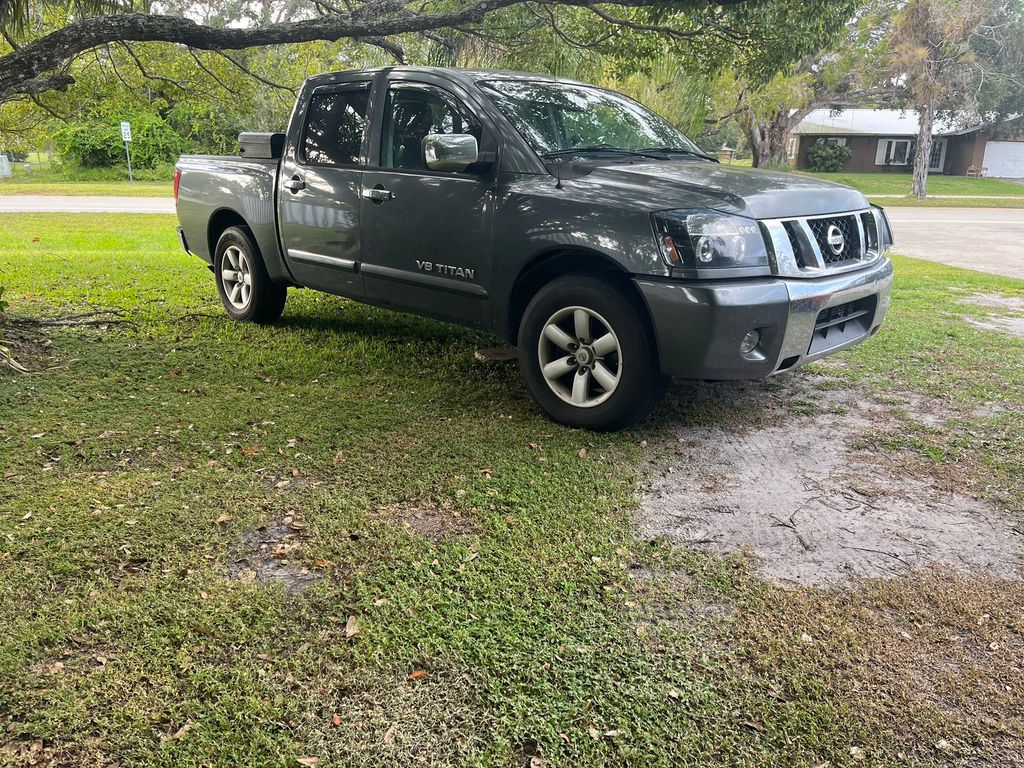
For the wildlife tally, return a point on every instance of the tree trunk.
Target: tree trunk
(923, 153)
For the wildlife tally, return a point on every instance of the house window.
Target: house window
(836, 141)
(894, 151)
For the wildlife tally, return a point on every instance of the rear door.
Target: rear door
(426, 234)
(320, 184)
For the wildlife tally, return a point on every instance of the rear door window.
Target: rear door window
(335, 127)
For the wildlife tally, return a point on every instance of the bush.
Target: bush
(97, 143)
(828, 157)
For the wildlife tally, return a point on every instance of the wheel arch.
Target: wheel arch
(222, 219)
(556, 262)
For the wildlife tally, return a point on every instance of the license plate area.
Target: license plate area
(842, 324)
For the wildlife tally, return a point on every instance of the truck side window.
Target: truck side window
(411, 112)
(335, 126)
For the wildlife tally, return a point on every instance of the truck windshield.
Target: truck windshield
(565, 119)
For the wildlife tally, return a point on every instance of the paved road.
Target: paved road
(84, 204)
(986, 239)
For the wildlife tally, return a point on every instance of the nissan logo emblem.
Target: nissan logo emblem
(836, 240)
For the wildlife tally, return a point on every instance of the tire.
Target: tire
(621, 382)
(257, 300)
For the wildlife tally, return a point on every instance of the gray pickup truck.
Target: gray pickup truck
(566, 218)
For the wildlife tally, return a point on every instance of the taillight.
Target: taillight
(177, 182)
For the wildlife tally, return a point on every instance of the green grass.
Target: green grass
(47, 179)
(119, 625)
(900, 184)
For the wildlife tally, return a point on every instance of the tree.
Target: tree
(846, 69)
(952, 57)
(39, 63)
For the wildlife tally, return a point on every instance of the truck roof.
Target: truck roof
(465, 76)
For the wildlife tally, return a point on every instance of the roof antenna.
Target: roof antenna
(558, 174)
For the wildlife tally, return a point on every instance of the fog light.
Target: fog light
(750, 342)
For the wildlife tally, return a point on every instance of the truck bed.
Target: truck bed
(215, 187)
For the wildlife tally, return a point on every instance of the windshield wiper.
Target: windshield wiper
(677, 150)
(596, 148)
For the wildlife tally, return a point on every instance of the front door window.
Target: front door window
(411, 113)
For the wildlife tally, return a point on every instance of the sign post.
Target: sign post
(126, 134)
(5, 167)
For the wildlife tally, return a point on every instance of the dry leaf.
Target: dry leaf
(336, 720)
(583, 453)
(352, 627)
(309, 762)
(224, 518)
(594, 733)
(389, 735)
(182, 731)
(417, 674)
(857, 753)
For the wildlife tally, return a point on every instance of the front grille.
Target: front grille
(838, 238)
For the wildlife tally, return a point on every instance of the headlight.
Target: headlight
(885, 238)
(703, 243)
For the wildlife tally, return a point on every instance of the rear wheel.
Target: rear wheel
(587, 356)
(246, 290)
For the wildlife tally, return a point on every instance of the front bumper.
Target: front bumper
(699, 324)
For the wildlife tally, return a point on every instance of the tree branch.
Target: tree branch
(23, 70)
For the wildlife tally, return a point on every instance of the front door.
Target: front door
(426, 234)
(320, 184)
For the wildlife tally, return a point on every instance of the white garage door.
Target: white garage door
(1005, 159)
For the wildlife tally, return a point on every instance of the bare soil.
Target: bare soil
(810, 500)
(425, 518)
(270, 554)
(1011, 313)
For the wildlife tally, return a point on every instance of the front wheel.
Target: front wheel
(587, 356)
(246, 290)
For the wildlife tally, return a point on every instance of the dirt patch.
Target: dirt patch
(23, 349)
(1012, 322)
(806, 495)
(430, 520)
(270, 554)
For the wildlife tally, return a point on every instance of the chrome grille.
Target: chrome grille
(838, 238)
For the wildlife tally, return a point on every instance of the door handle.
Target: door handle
(294, 184)
(378, 194)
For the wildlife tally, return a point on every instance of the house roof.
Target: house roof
(879, 122)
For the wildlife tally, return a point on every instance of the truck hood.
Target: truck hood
(692, 183)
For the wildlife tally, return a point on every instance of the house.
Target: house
(884, 139)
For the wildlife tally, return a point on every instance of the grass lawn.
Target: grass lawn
(900, 184)
(55, 180)
(447, 578)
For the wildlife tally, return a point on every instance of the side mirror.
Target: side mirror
(450, 151)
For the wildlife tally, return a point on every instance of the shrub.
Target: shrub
(828, 157)
(97, 143)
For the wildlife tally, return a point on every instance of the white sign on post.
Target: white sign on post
(126, 134)
(5, 167)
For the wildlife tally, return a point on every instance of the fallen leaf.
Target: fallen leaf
(417, 674)
(224, 518)
(536, 762)
(352, 627)
(613, 734)
(583, 453)
(182, 731)
(252, 450)
(389, 735)
(309, 762)
(806, 639)
(943, 745)
(336, 720)
(857, 753)
(594, 733)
